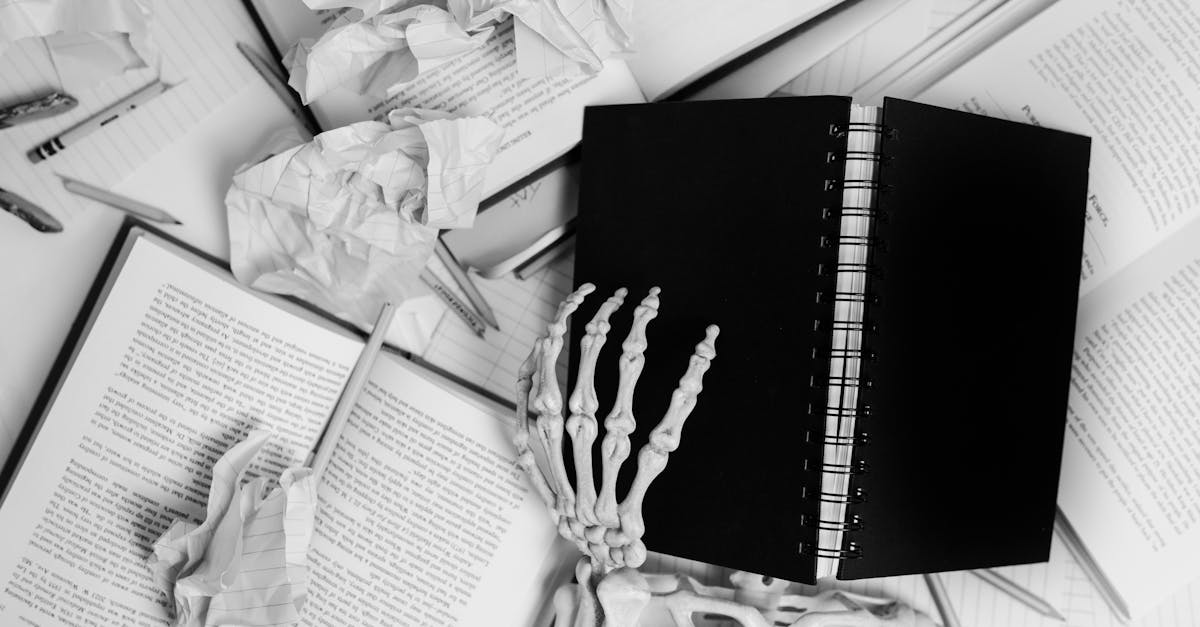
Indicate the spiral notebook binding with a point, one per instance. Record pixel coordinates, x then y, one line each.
837 410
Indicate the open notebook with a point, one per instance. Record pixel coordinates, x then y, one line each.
897 291
170 363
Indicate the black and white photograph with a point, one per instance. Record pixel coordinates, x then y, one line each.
394 312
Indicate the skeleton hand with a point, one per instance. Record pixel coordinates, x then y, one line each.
607 532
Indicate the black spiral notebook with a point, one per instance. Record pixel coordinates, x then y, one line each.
896 289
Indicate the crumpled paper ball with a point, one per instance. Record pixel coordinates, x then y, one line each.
247 563
382 43
348 220
377 50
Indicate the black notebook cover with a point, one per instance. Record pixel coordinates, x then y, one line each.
728 207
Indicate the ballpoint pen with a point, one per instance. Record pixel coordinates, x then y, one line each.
60 142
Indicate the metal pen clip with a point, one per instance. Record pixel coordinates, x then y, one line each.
32 214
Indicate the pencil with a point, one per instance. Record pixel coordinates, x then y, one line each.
457 306
941 599
117 201
1009 587
464 281
358 377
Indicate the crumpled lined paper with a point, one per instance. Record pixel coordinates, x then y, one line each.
558 37
348 220
247 564
377 51
88 40
382 43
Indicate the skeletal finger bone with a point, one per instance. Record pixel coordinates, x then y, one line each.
547 400
582 425
614 449
664 439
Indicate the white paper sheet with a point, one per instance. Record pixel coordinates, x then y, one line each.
90 40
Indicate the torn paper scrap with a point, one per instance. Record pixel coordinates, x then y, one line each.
377 52
247 563
348 220
89 40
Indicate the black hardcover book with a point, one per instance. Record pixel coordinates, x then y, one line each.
896 289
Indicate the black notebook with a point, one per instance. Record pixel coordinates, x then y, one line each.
896 289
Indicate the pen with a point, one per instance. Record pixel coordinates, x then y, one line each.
464 281
128 205
941 599
47 106
32 214
279 86
83 129
457 306
1009 587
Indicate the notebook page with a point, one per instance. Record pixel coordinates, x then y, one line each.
196 41
1144 173
678 41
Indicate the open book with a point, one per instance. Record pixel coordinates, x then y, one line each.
1124 73
423 519
677 42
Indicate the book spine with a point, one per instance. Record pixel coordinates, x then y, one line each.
839 417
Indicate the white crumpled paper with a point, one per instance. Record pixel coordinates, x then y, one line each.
379 50
382 43
348 220
88 40
247 564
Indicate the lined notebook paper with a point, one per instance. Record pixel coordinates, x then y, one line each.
197 44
